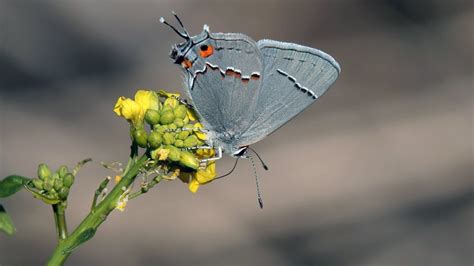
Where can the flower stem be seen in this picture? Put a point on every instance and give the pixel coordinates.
(60, 220)
(96, 217)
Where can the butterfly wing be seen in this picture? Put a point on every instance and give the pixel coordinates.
(225, 85)
(294, 76)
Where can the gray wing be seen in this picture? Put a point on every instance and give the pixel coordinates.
(224, 86)
(294, 76)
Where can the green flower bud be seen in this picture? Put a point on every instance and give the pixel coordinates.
(188, 126)
(175, 153)
(191, 141)
(189, 160)
(58, 184)
(180, 111)
(54, 194)
(186, 120)
(68, 180)
(179, 122)
(168, 138)
(63, 193)
(140, 137)
(38, 183)
(179, 143)
(166, 108)
(159, 128)
(167, 117)
(183, 135)
(62, 171)
(43, 171)
(48, 184)
(172, 126)
(152, 117)
(155, 139)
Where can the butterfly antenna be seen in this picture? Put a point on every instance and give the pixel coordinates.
(259, 197)
(261, 161)
(185, 36)
(180, 23)
(230, 172)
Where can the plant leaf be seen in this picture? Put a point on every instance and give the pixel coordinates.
(6, 223)
(83, 237)
(11, 185)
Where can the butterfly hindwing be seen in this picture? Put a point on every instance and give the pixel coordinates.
(294, 76)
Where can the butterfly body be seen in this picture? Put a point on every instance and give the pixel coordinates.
(244, 90)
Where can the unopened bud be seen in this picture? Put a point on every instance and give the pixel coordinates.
(62, 171)
(183, 135)
(180, 111)
(175, 153)
(179, 143)
(167, 117)
(189, 160)
(38, 183)
(68, 180)
(191, 141)
(168, 138)
(155, 139)
(179, 122)
(172, 126)
(43, 171)
(48, 184)
(58, 184)
(63, 193)
(152, 117)
(140, 137)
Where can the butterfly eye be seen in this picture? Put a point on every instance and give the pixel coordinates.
(205, 50)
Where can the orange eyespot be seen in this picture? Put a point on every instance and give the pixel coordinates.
(205, 50)
(186, 63)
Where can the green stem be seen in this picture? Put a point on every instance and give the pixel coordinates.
(60, 220)
(96, 217)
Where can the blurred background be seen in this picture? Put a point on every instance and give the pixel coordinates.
(378, 172)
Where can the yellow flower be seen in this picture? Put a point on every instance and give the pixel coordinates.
(202, 176)
(134, 110)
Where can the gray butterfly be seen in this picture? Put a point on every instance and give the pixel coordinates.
(244, 90)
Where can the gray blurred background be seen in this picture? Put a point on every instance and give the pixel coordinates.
(378, 172)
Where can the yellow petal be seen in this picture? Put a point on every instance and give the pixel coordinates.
(117, 179)
(118, 106)
(147, 99)
(128, 109)
(193, 185)
(198, 133)
(191, 115)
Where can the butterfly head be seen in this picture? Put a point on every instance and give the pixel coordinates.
(187, 52)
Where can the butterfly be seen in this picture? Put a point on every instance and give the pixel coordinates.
(244, 90)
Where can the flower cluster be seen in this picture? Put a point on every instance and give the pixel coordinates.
(175, 140)
(50, 187)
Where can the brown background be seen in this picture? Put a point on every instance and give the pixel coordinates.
(378, 172)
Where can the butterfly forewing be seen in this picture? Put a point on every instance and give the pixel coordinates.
(224, 86)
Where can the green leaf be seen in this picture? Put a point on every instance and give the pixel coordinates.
(6, 224)
(83, 237)
(11, 185)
